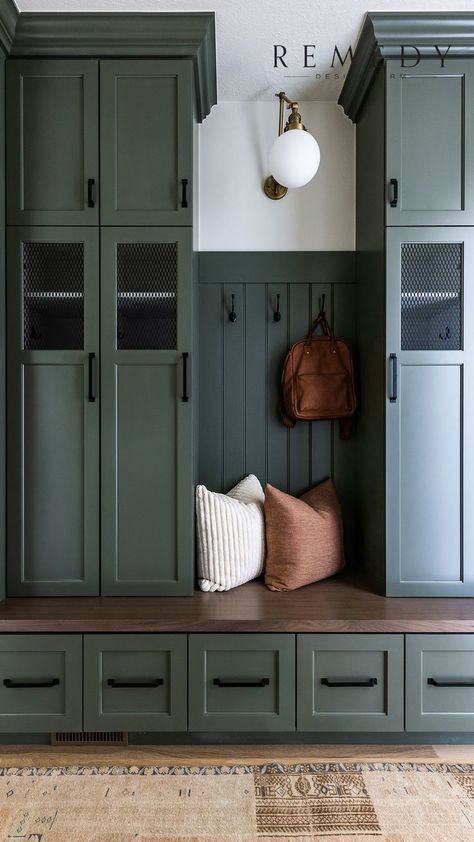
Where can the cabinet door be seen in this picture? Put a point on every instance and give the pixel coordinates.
(430, 143)
(52, 142)
(53, 412)
(430, 412)
(146, 142)
(147, 497)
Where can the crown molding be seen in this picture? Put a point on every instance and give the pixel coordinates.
(143, 34)
(9, 15)
(383, 34)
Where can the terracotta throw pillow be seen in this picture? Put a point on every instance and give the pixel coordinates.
(304, 537)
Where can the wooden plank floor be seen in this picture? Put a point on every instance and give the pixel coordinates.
(225, 755)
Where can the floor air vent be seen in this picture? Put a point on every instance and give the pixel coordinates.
(89, 738)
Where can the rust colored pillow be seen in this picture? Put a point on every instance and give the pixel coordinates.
(304, 537)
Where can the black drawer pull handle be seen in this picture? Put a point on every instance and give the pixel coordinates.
(394, 186)
(435, 683)
(91, 395)
(185, 397)
(371, 682)
(116, 682)
(394, 385)
(184, 187)
(91, 192)
(261, 682)
(12, 684)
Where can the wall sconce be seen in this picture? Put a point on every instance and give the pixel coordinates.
(294, 157)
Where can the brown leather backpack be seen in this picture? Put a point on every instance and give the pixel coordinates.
(318, 379)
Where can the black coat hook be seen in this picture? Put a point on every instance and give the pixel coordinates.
(322, 302)
(233, 314)
(277, 314)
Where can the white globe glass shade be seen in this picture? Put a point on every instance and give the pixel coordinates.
(294, 158)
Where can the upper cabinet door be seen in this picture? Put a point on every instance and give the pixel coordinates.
(146, 142)
(430, 144)
(52, 142)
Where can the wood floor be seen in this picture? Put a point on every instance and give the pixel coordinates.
(224, 755)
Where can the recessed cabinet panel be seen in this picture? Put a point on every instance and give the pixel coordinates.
(52, 142)
(429, 143)
(440, 682)
(146, 142)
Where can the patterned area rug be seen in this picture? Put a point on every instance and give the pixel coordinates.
(350, 802)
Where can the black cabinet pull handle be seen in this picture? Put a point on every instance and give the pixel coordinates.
(394, 385)
(185, 397)
(435, 683)
(184, 188)
(261, 682)
(371, 682)
(116, 682)
(91, 395)
(394, 186)
(91, 192)
(13, 684)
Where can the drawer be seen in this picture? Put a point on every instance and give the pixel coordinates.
(350, 682)
(40, 683)
(135, 682)
(242, 682)
(439, 682)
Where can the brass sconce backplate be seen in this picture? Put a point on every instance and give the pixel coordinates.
(274, 190)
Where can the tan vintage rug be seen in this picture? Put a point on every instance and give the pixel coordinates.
(350, 802)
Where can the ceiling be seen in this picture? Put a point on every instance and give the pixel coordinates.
(248, 29)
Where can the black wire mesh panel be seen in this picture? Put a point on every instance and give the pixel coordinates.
(147, 276)
(53, 296)
(431, 295)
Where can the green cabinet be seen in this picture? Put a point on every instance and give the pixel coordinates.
(52, 142)
(241, 682)
(40, 683)
(147, 502)
(146, 142)
(440, 682)
(135, 682)
(350, 682)
(53, 412)
(430, 141)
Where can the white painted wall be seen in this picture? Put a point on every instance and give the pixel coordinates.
(235, 214)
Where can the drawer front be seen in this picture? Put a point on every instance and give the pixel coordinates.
(135, 682)
(40, 683)
(242, 682)
(350, 682)
(439, 682)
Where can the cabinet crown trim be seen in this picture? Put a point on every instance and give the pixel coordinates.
(382, 35)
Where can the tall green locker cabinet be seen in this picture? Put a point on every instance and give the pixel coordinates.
(99, 327)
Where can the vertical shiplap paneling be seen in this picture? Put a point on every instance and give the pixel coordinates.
(211, 385)
(344, 452)
(321, 431)
(299, 455)
(255, 383)
(235, 408)
(277, 346)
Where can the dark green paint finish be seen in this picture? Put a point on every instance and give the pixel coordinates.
(146, 142)
(147, 459)
(248, 658)
(142, 659)
(276, 267)
(9, 15)
(340, 658)
(39, 659)
(446, 659)
(53, 442)
(2, 334)
(52, 137)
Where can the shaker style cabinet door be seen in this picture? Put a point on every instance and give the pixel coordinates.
(430, 143)
(53, 412)
(147, 487)
(146, 142)
(430, 412)
(52, 142)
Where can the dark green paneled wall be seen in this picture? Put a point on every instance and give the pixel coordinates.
(240, 365)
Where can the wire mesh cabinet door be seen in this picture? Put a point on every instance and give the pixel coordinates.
(147, 500)
(53, 412)
(430, 411)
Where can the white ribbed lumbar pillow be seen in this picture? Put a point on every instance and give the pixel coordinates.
(230, 535)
